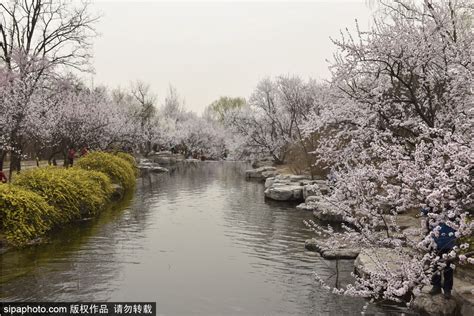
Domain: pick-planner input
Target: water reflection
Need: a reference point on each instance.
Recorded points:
(200, 240)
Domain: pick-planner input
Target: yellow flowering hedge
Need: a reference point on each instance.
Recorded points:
(130, 159)
(24, 215)
(120, 170)
(42, 198)
(74, 192)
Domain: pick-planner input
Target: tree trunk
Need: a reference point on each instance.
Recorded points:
(3, 153)
(15, 163)
(66, 161)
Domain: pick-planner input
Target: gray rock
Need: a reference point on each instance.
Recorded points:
(257, 173)
(330, 254)
(463, 293)
(311, 190)
(298, 178)
(285, 192)
(262, 163)
(313, 199)
(305, 207)
(370, 261)
(165, 160)
(148, 166)
(118, 191)
(163, 153)
(155, 169)
(326, 212)
(269, 174)
(269, 182)
(312, 245)
(435, 305)
(341, 253)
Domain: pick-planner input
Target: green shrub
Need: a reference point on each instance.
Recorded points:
(24, 215)
(130, 159)
(74, 192)
(119, 170)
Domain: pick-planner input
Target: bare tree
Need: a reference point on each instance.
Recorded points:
(173, 107)
(142, 94)
(38, 37)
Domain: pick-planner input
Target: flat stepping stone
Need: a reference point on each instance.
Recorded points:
(330, 254)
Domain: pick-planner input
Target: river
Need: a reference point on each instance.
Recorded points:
(198, 241)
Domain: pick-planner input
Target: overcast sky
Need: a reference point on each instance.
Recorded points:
(217, 48)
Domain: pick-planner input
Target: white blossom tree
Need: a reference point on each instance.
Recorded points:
(401, 121)
(273, 118)
(37, 38)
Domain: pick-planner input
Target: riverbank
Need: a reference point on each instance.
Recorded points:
(281, 185)
(41, 199)
(200, 234)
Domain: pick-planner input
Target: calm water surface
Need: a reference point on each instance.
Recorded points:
(200, 240)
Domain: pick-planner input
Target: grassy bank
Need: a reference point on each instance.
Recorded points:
(41, 199)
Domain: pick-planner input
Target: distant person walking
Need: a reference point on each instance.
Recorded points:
(70, 156)
(3, 177)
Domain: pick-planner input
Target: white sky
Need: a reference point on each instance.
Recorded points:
(216, 48)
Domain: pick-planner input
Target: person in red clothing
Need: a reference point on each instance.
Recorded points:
(3, 177)
(70, 156)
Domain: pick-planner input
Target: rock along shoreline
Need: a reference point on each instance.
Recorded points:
(310, 193)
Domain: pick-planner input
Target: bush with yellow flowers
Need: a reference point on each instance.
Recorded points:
(120, 170)
(24, 215)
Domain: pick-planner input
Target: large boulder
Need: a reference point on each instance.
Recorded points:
(285, 192)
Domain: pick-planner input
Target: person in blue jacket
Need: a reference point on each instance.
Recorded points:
(445, 242)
